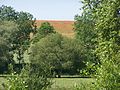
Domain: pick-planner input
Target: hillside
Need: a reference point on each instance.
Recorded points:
(63, 27)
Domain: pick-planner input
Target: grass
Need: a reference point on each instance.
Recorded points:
(69, 83)
(61, 83)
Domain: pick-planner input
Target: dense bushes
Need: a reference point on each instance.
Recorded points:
(32, 77)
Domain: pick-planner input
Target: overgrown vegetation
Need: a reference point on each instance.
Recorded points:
(93, 52)
(106, 17)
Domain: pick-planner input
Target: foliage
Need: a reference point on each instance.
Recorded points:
(89, 70)
(44, 30)
(16, 81)
(57, 52)
(7, 13)
(4, 55)
(106, 15)
(21, 40)
(84, 29)
(8, 31)
(108, 49)
(39, 77)
(30, 78)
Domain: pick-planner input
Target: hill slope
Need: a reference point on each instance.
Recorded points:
(63, 27)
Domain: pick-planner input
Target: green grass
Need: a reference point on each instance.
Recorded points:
(69, 83)
(61, 83)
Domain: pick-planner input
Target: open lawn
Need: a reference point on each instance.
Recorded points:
(61, 83)
(69, 83)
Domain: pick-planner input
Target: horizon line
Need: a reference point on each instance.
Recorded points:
(52, 20)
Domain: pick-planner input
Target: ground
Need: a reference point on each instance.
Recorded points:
(62, 83)
(69, 83)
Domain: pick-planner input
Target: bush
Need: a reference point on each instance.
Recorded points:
(32, 77)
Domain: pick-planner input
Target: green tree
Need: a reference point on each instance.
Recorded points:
(44, 30)
(4, 55)
(8, 13)
(58, 52)
(106, 14)
(84, 29)
(108, 29)
(26, 25)
(8, 30)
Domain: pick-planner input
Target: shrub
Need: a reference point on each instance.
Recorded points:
(32, 77)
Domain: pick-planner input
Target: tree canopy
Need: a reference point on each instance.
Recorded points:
(105, 14)
(8, 31)
(58, 52)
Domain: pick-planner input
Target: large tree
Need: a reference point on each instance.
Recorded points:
(108, 28)
(59, 53)
(107, 25)
(8, 31)
(26, 25)
(84, 30)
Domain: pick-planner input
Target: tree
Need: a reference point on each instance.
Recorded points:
(44, 30)
(8, 13)
(84, 29)
(4, 55)
(59, 53)
(26, 25)
(8, 30)
(107, 26)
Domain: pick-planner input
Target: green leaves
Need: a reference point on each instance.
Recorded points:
(7, 13)
(106, 27)
(8, 31)
(46, 28)
(57, 52)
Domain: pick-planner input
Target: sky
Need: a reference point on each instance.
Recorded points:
(47, 9)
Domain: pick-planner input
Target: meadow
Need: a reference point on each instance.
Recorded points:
(69, 83)
(61, 83)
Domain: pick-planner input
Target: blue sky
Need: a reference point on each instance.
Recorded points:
(47, 9)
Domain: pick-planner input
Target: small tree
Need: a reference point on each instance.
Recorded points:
(46, 28)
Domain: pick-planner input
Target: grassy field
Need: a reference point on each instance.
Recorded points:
(62, 83)
(69, 83)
